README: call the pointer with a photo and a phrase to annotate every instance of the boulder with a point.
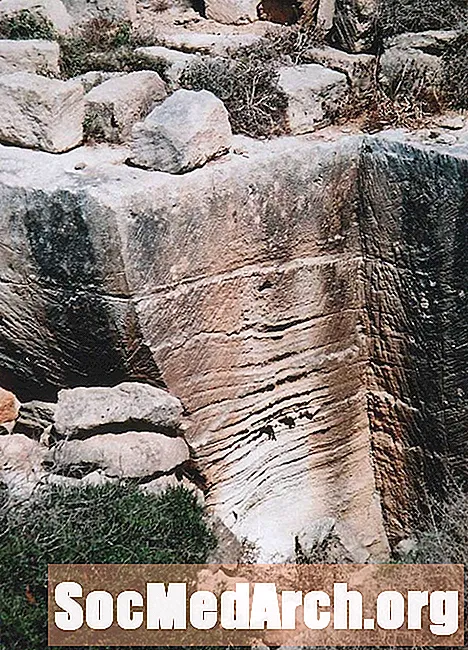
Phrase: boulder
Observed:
(412, 63)
(83, 412)
(9, 406)
(122, 455)
(315, 95)
(111, 9)
(113, 107)
(186, 131)
(21, 464)
(232, 12)
(55, 124)
(174, 62)
(94, 78)
(39, 57)
(34, 418)
(52, 10)
(210, 44)
(359, 68)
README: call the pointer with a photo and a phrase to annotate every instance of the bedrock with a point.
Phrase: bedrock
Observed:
(304, 299)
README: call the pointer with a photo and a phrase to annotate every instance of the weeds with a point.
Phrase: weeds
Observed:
(399, 16)
(25, 25)
(107, 524)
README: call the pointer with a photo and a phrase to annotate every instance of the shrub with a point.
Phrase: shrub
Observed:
(399, 16)
(456, 72)
(107, 524)
(25, 25)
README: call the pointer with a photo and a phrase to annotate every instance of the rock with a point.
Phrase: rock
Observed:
(34, 418)
(83, 412)
(432, 41)
(315, 96)
(9, 406)
(98, 477)
(212, 44)
(186, 131)
(355, 24)
(359, 68)
(116, 10)
(162, 483)
(20, 464)
(232, 12)
(173, 61)
(95, 78)
(52, 10)
(39, 57)
(113, 107)
(122, 455)
(55, 125)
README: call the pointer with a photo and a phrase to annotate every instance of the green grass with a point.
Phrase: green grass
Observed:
(93, 525)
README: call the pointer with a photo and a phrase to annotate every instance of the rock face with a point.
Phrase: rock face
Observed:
(38, 57)
(82, 412)
(186, 131)
(232, 11)
(113, 107)
(57, 121)
(354, 24)
(315, 96)
(306, 300)
(125, 455)
(174, 62)
(53, 10)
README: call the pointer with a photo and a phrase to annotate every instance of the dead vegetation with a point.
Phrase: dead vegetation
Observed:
(399, 16)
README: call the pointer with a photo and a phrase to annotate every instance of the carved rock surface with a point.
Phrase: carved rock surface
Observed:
(184, 132)
(82, 412)
(113, 107)
(123, 455)
(39, 57)
(305, 299)
(55, 124)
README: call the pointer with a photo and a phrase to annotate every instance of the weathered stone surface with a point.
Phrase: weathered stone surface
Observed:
(52, 10)
(21, 464)
(113, 107)
(355, 24)
(359, 68)
(203, 43)
(9, 406)
(94, 78)
(305, 299)
(232, 12)
(34, 418)
(55, 125)
(82, 412)
(174, 61)
(315, 96)
(186, 131)
(110, 9)
(412, 64)
(123, 455)
(39, 57)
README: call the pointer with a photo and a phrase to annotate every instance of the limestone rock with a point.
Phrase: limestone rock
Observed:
(34, 418)
(232, 12)
(9, 406)
(113, 107)
(53, 10)
(21, 464)
(210, 44)
(82, 412)
(315, 95)
(186, 131)
(39, 57)
(355, 24)
(55, 124)
(117, 10)
(123, 455)
(174, 61)
(359, 68)
(95, 78)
